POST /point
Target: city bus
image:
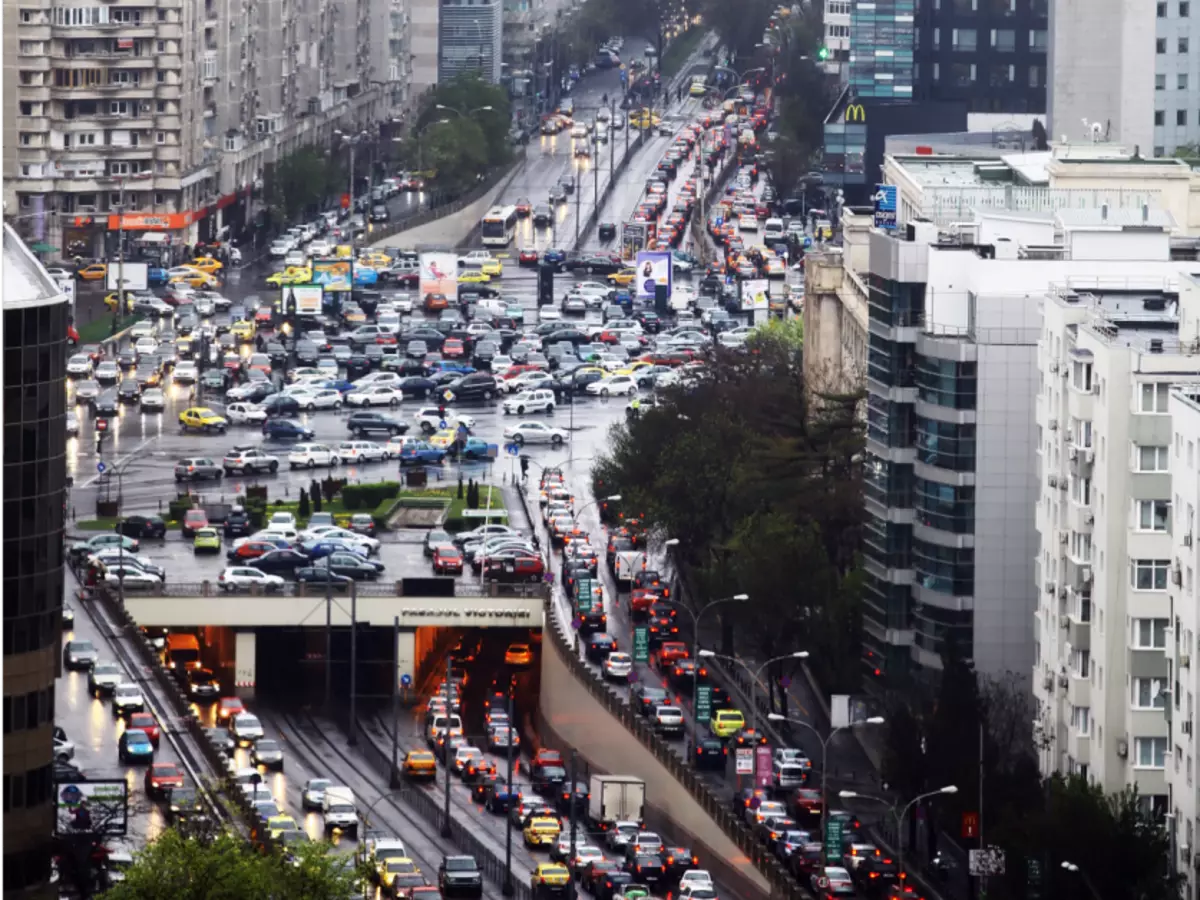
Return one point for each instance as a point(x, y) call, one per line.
point(498, 226)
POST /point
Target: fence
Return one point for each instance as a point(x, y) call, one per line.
point(618, 169)
point(341, 588)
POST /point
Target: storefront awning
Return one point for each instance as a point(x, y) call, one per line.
point(153, 237)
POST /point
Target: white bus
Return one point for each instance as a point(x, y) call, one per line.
point(498, 226)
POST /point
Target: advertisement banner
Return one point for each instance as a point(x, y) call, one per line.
point(439, 275)
point(136, 275)
point(331, 274)
point(653, 268)
point(101, 806)
point(633, 240)
point(756, 294)
point(885, 206)
point(743, 761)
point(300, 300)
point(762, 766)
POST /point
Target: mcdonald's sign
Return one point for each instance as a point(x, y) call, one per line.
point(855, 112)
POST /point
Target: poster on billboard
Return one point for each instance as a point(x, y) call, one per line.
point(633, 240)
point(331, 274)
point(136, 275)
point(653, 268)
point(439, 275)
point(101, 805)
point(307, 299)
point(756, 294)
point(763, 770)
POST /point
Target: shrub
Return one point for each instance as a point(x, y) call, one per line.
point(368, 496)
point(330, 487)
point(460, 486)
point(314, 492)
point(303, 510)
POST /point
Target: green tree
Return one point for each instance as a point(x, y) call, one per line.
point(300, 181)
point(790, 332)
point(303, 510)
point(461, 132)
point(739, 26)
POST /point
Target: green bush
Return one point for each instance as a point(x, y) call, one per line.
point(303, 511)
point(330, 487)
point(384, 511)
point(368, 496)
point(178, 507)
point(256, 509)
point(314, 493)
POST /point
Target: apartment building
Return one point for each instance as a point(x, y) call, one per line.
point(837, 36)
point(160, 116)
point(1103, 84)
point(1110, 351)
point(1182, 647)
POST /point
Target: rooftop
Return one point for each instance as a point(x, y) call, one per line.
point(1145, 320)
point(26, 282)
point(1116, 219)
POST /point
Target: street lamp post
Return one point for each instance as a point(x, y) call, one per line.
point(1075, 869)
point(755, 674)
point(825, 742)
point(901, 815)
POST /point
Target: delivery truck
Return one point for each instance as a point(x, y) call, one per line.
point(616, 798)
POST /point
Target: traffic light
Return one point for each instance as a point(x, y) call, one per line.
point(822, 53)
point(545, 285)
point(101, 430)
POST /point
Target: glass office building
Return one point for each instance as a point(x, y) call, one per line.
point(35, 395)
point(881, 49)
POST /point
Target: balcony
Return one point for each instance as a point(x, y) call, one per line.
point(31, 93)
point(169, 31)
point(1079, 689)
point(135, 62)
point(170, 61)
point(168, 152)
point(1079, 746)
point(166, 91)
point(33, 123)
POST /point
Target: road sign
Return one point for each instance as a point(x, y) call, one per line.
point(405, 680)
point(703, 703)
point(448, 395)
point(762, 766)
point(512, 449)
point(100, 467)
point(443, 424)
point(743, 761)
point(833, 839)
point(987, 861)
point(641, 644)
point(823, 882)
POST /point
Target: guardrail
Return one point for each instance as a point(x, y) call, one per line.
point(618, 169)
point(539, 589)
point(781, 882)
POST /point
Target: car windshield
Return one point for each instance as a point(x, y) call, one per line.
point(81, 647)
point(106, 669)
point(267, 747)
point(460, 864)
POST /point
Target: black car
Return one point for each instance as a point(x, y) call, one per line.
point(599, 646)
point(142, 527)
point(645, 698)
point(581, 797)
point(281, 405)
point(543, 214)
point(558, 194)
point(473, 387)
point(599, 264)
point(364, 423)
point(127, 358)
point(184, 803)
point(567, 335)
point(357, 365)
point(613, 882)
point(575, 382)
point(344, 565)
point(677, 860)
point(201, 685)
point(105, 406)
point(649, 320)
point(608, 230)
point(711, 754)
point(129, 391)
point(283, 561)
point(646, 867)
point(237, 523)
point(260, 392)
point(286, 430)
point(459, 876)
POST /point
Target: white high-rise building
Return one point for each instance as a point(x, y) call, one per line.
point(1111, 350)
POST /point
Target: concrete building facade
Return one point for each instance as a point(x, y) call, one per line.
point(470, 39)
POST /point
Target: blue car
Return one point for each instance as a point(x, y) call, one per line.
point(135, 747)
point(341, 385)
point(478, 448)
point(554, 257)
point(319, 549)
point(156, 275)
point(286, 430)
point(420, 452)
point(450, 365)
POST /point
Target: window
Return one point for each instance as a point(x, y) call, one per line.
point(118, 107)
point(1038, 39)
point(159, 198)
point(1159, 117)
point(1183, 45)
point(1150, 753)
point(160, 137)
point(1149, 693)
point(1149, 575)
point(1152, 515)
point(1154, 394)
point(1160, 45)
point(1149, 634)
point(1152, 459)
point(1160, 82)
point(1181, 81)
point(1185, 9)
point(1081, 719)
point(1004, 39)
point(1037, 77)
point(964, 38)
point(162, 46)
point(1162, 10)
point(1181, 117)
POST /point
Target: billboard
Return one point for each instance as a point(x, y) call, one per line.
point(885, 206)
point(756, 294)
point(653, 268)
point(439, 274)
point(136, 275)
point(763, 769)
point(633, 239)
point(307, 298)
point(332, 274)
point(102, 806)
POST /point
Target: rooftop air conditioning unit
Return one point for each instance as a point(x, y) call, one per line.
point(1054, 367)
point(1052, 480)
point(1176, 574)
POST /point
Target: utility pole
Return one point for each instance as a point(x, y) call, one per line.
point(394, 779)
point(574, 816)
point(578, 202)
point(446, 767)
point(353, 662)
point(507, 887)
point(328, 629)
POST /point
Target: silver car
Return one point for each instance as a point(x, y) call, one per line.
point(246, 729)
point(267, 753)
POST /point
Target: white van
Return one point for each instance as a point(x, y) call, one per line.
point(451, 725)
point(773, 230)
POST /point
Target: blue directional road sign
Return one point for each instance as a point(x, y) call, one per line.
point(443, 424)
point(405, 680)
point(512, 449)
point(100, 467)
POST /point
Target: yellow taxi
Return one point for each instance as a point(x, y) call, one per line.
point(542, 831)
point(420, 764)
point(443, 439)
point(243, 330)
point(644, 118)
point(492, 267)
point(94, 272)
point(110, 300)
point(354, 316)
point(343, 251)
point(549, 875)
point(624, 278)
point(698, 88)
point(207, 264)
point(395, 869)
point(518, 655)
point(291, 275)
point(277, 825)
point(375, 260)
point(474, 277)
point(632, 367)
point(193, 277)
point(201, 418)
point(727, 722)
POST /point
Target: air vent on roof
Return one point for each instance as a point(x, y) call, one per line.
point(1156, 345)
point(1154, 304)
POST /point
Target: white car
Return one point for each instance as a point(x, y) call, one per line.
point(282, 519)
point(185, 372)
point(389, 320)
point(374, 395)
point(79, 365)
point(297, 258)
point(696, 878)
point(429, 419)
point(311, 455)
point(526, 381)
point(747, 222)
point(361, 451)
point(475, 258)
point(127, 698)
point(579, 130)
point(321, 398)
point(291, 535)
point(145, 345)
point(368, 544)
point(246, 728)
point(131, 577)
point(618, 666)
point(535, 433)
point(613, 385)
point(153, 400)
point(242, 577)
point(144, 328)
point(245, 413)
point(64, 749)
point(530, 402)
point(280, 248)
point(501, 364)
point(320, 247)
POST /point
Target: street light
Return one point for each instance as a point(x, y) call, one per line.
point(825, 742)
point(755, 674)
point(900, 816)
point(1076, 870)
point(460, 112)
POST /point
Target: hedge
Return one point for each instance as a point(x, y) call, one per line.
point(368, 496)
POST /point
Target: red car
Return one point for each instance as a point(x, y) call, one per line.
point(228, 707)
point(161, 777)
point(524, 207)
point(516, 568)
point(453, 348)
point(642, 599)
point(385, 338)
point(527, 257)
point(447, 561)
point(253, 549)
point(672, 651)
point(194, 519)
point(545, 758)
point(263, 315)
point(144, 721)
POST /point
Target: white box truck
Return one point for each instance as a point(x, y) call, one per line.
point(616, 798)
